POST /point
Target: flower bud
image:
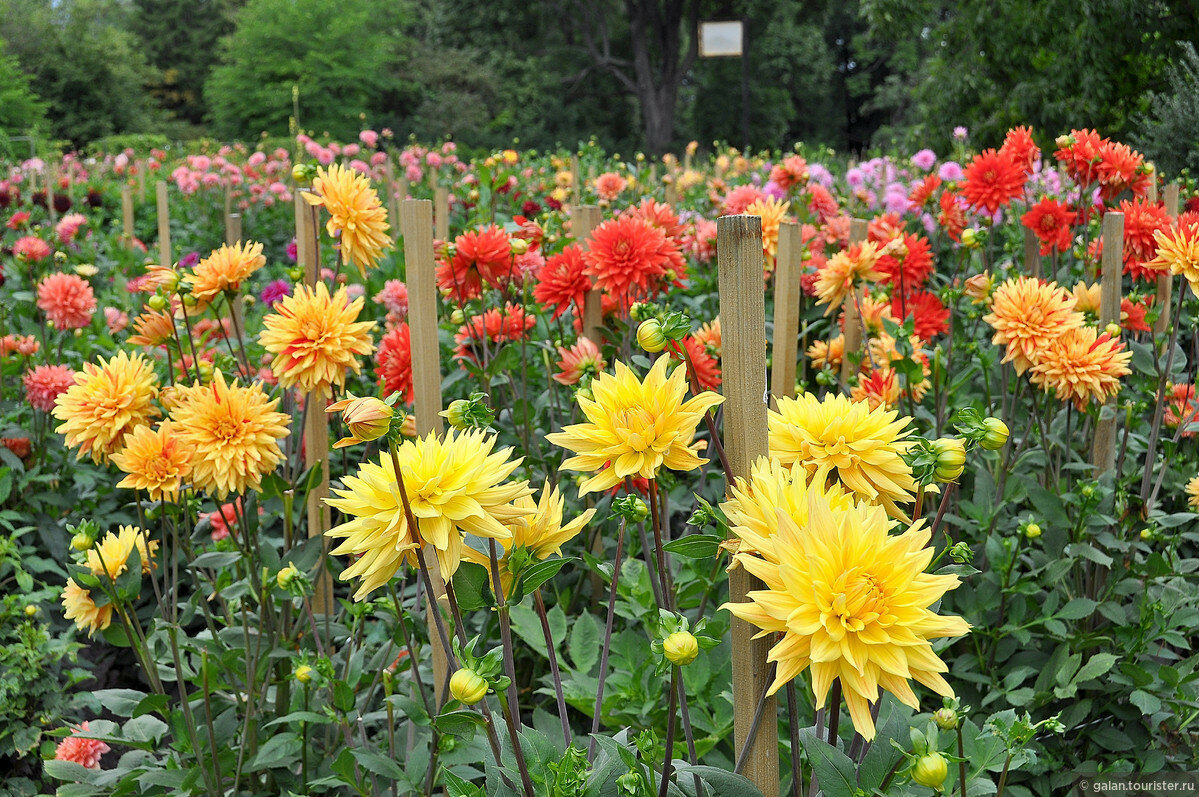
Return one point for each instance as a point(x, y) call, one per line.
point(946, 719)
point(1113, 330)
point(157, 302)
point(996, 434)
point(930, 770)
point(1146, 534)
point(458, 317)
point(519, 246)
point(455, 414)
point(30, 610)
point(303, 673)
point(295, 273)
point(971, 238)
point(1032, 531)
point(631, 508)
point(1063, 141)
point(650, 336)
point(979, 287)
point(951, 458)
point(287, 576)
point(468, 687)
point(82, 541)
point(367, 418)
point(680, 648)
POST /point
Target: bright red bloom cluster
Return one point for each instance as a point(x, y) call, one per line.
point(478, 257)
point(1051, 221)
point(992, 180)
point(493, 327)
point(393, 362)
point(632, 259)
point(562, 283)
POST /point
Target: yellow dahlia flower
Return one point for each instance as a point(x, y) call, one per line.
point(156, 461)
point(830, 354)
point(1192, 491)
point(635, 428)
point(153, 328)
point(851, 602)
point(1178, 250)
point(838, 438)
point(78, 605)
point(315, 337)
point(540, 532)
point(235, 433)
point(224, 270)
point(106, 403)
point(773, 213)
point(1027, 316)
point(110, 555)
point(836, 278)
point(355, 213)
point(1087, 297)
point(1082, 366)
point(455, 485)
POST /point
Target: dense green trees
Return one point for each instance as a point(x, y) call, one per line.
point(21, 112)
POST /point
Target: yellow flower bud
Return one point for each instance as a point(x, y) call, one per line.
point(930, 770)
point(367, 418)
point(951, 458)
point(285, 577)
point(650, 337)
point(455, 414)
point(303, 673)
point(299, 173)
point(979, 287)
point(519, 246)
point(970, 237)
point(458, 317)
point(996, 434)
point(81, 542)
point(468, 687)
point(1112, 330)
point(30, 610)
point(1032, 531)
point(946, 719)
point(157, 302)
point(1146, 534)
point(680, 648)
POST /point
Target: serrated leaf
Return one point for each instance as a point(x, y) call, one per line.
point(834, 770)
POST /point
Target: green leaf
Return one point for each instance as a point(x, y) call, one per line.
point(1097, 665)
point(215, 559)
point(1147, 703)
point(311, 717)
point(343, 696)
point(695, 546)
point(537, 574)
point(463, 722)
point(472, 587)
point(1077, 609)
point(151, 703)
point(834, 770)
point(584, 644)
point(723, 782)
point(122, 702)
point(378, 763)
point(457, 787)
point(279, 750)
point(70, 771)
point(144, 728)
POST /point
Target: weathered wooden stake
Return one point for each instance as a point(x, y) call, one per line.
point(575, 188)
point(51, 184)
point(858, 230)
point(587, 218)
point(672, 192)
point(164, 226)
point(416, 225)
point(1165, 280)
point(441, 214)
point(743, 359)
point(127, 215)
point(141, 182)
point(232, 228)
point(784, 352)
point(1032, 253)
point(1103, 449)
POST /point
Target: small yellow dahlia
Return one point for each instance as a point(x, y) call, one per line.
point(635, 428)
point(224, 270)
point(110, 555)
point(1082, 366)
point(839, 438)
point(1192, 491)
point(155, 460)
point(235, 433)
point(355, 214)
point(315, 338)
point(78, 605)
point(153, 328)
point(1087, 297)
point(851, 602)
point(1027, 316)
point(455, 485)
point(1178, 250)
point(106, 403)
point(837, 277)
point(773, 213)
point(540, 532)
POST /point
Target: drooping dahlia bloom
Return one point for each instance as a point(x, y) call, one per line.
point(78, 605)
point(1052, 222)
point(224, 270)
point(1027, 316)
point(773, 213)
point(836, 279)
point(562, 283)
point(84, 752)
point(851, 602)
point(479, 257)
point(992, 180)
point(235, 432)
point(356, 216)
point(106, 403)
point(634, 427)
point(316, 338)
point(836, 437)
point(67, 301)
point(154, 460)
point(628, 257)
point(1178, 251)
point(455, 485)
point(581, 360)
point(110, 555)
point(393, 362)
point(153, 328)
point(1082, 366)
point(45, 383)
point(540, 532)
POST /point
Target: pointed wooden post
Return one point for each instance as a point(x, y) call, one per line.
point(587, 218)
point(416, 225)
point(1103, 449)
point(232, 228)
point(127, 215)
point(743, 360)
point(1032, 253)
point(316, 421)
point(441, 213)
point(784, 351)
point(164, 225)
point(1165, 280)
point(858, 230)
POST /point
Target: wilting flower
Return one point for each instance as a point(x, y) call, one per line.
point(84, 752)
point(315, 339)
point(838, 438)
point(356, 215)
point(78, 606)
point(394, 362)
point(224, 270)
point(67, 300)
point(234, 431)
point(850, 601)
point(455, 485)
point(45, 383)
point(106, 403)
point(1027, 316)
point(635, 428)
point(110, 555)
point(1081, 366)
point(155, 460)
point(581, 360)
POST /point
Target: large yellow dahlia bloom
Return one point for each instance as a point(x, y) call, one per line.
point(224, 270)
point(851, 602)
point(106, 403)
point(634, 428)
point(154, 460)
point(110, 556)
point(315, 338)
point(455, 485)
point(355, 214)
point(1178, 251)
point(1027, 316)
point(839, 438)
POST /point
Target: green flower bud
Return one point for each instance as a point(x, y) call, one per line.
point(1032, 531)
point(680, 648)
point(468, 687)
point(650, 336)
point(946, 719)
point(951, 458)
point(287, 576)
point(996, 434)
point(930, 770)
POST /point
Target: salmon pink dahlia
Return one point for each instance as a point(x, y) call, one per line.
point(31, 249)
point(582, 360)
point(45, 383)
point(482, 332)
point(67, 300)
point(629, 257)
point(82, 751)
point(609, 185)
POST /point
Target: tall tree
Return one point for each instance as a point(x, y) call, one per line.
point(20, 109)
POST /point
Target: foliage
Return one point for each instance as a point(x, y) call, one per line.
point(1169, 130)
point(21, 112)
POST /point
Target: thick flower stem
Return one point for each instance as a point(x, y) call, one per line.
point(511, 706)
point(671, 722)
point(554, 671)
point(834, 713)
point(607, 647)
point(793, 730)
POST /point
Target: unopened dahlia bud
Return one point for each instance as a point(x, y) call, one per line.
point(650, 336)
point(367, 418)
point(468, 687)
point(951, 458)
point(930, 770)
point(680, 648)
point(996, 434)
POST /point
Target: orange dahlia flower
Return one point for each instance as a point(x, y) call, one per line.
point(1027, 316)
point(477, 257)
point(224, 270)
point(581, 360)
point(393, 362)
point(356, 216)
point(106, 403)
point(1081, 366)
point(992, 180)
point(155, 460)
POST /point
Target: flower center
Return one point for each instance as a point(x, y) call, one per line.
point(856, 599)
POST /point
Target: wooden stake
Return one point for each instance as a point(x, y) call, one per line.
point(232, 228)
point(587, 218)
point(51, 184)
point(575, 188)
point(164, 226)
point(416, 225)
point(127, 215)
point(858, 230)
point(787, 270)
point(316, 421)
point(1165, 280)
point(1103, 449)
point(229, 201)
point(743, 360)
point(672, 193)
point(141, 182)
point(441, 213)
point(1032, 253)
